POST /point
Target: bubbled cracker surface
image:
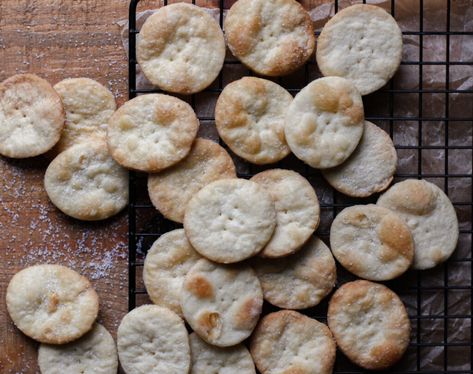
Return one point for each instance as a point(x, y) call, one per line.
point(249, 116)
point(230, 220)
point(300, 280)
point(31, 116)
point(208, 359)
point(152, 132)
point(171, 189)
point(370, 324)
point(166, 264)
point(270, 37)
point(297, 210)
point(324, 122)
point(372, 242)
point(287, 342)
point(152, 339)
point(181, 48)
point(84, 182)
point(51, 303)
point(222, 303)
point(88, 106)
point(369, 169)
point(94, 353)
point(430, 216)
point(362, 43)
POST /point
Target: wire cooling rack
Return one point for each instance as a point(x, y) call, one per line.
point(441, 339)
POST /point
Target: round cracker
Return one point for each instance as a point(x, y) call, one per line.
point(270, 37)
point(362, 43)
point(430, 216)
point(369, 323)
point(324, 122)
point(171, 189)
point(84, 182)
point(297, 210)
point(152, 132)
point(298, 281)
point(289, 342)
point(372, 242)
point(153, 339)
point(208, 359)
point(31, 116)
point(89, 106)
point(181, 48)
point(51, 303)
point(94, 353)
point(166, 264)
point(369, 169)
point(249, 116)
point(222, 303)
point(230, 220)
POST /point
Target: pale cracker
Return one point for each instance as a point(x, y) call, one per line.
point(152, 132)
point(297, 210)
point(153, 339)
point(431, 217)
point(181, 48)
point(369, 323)
point(300, 280)
point(324, 122)
point(208, 359)
point(89, 106)
point(31, 116)
point(84, 182)
point(249, 116)
point(372, 242)
point(51, 303)
point(94, 353)
point(362, 43)
point(230, 220)
point(290, 342)
point(166, 264)
point(171, 189)
point(270, 37)
point(369, 169)
point(222, 303)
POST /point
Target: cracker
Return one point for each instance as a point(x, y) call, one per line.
point(51, 303)
point(31, 116)
point(171, 189)
point(152, 132)
point(289, 342)
point(270, 37)
point(298, 281)
point(230, 220)
point(94, 353)
point(369, 323)
point(372, 242)
point(153, 339)
point(297, 210)
point(181, 48)
point(222, 303)
point(324, 122)
point(166, 264)
point(249, 116)
point(369, 169)
point(430, 216)
point(84, 182)
point(208, 359)
point(88, 106)
point(362, 43)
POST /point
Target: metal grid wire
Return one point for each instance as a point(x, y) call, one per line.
point(410, 287)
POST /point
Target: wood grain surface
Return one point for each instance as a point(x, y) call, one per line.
point(57, 39)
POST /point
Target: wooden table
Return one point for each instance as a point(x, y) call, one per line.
point(57, 39)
